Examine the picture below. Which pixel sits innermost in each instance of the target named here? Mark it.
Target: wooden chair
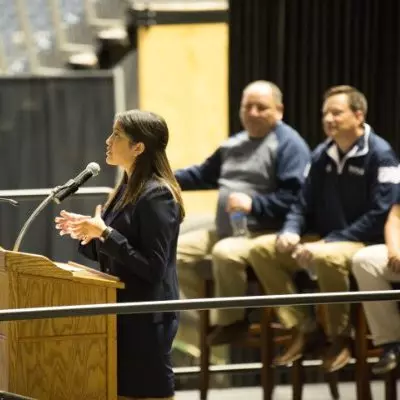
(265, 335)
(363, 349)
(273, 335)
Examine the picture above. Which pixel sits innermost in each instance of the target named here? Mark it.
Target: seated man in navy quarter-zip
(345, 200)
(257, 172)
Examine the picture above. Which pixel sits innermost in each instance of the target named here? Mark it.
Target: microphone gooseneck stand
(9, 201)
(56, 194)
(35, 213)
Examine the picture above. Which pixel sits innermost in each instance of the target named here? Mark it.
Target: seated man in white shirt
(375, 268)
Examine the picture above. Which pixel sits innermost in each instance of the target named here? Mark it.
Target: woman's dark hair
(151, 130)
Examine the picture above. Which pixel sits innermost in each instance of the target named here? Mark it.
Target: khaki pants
(371, 272)
(192, 248)
(332, 262)
(230, 261)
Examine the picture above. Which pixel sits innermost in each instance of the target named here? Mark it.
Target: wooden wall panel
(40, 292)
(183, 75)
(42, 367)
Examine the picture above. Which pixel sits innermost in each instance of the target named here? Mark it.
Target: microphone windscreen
(94, 168)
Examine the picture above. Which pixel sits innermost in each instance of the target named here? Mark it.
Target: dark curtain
(50, 129)
(306, 46)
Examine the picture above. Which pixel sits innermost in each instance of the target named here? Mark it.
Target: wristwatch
(106, 233)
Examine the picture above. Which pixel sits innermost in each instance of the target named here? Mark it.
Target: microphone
(9, 201)
(58, 194)
(92, 169)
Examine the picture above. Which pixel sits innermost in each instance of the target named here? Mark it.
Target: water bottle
(311, 272)
(239, 223)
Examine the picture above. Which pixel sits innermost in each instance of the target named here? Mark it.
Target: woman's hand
(86, 229)
(63, 222)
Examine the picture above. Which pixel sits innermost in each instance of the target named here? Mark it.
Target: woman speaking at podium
(134, 237)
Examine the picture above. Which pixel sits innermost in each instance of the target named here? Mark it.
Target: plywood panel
(200, 202)
(4, 365)
(183, 75)
(4, 292)
(40, 292)
(45, 373)
(112, 347)
(62, 358)
(4, 369)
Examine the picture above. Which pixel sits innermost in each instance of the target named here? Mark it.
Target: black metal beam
(150, 17)
(197, 304)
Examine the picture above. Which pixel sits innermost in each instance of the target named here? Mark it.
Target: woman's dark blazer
(141, 249)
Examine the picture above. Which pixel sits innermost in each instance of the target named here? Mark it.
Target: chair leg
(204, 347)
(267, 353)
(297, 379)
(361, 350)
(391, 385)
(333, 380)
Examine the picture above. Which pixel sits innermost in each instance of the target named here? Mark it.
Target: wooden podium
(56, 358)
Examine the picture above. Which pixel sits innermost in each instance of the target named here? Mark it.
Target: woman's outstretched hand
(81, 227)
(63, 222)
(87, 229)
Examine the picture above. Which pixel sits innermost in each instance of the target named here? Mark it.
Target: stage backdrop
(50, 129)
(306, 46)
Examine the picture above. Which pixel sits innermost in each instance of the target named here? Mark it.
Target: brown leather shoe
(294, 350)
(337, 354)
(301, 342)
(228, 334)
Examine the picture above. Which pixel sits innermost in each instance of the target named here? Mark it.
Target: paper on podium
(84, 271)
(68, 267)
(79, 267)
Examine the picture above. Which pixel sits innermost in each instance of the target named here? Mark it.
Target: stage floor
(310, 392)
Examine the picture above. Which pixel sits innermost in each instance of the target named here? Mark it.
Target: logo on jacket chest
(356, 170)
(352, 169)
